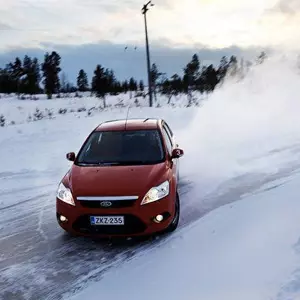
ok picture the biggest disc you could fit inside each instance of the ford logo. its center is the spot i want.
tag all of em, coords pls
(105, 203)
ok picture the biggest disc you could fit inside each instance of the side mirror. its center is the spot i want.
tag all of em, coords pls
(70, 156)
(176, 153)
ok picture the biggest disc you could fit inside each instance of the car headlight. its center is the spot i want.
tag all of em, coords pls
(156, 193)
(64, 194)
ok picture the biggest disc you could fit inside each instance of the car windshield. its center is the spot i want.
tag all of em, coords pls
(122, 148)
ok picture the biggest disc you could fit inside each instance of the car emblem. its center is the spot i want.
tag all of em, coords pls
(105, 203)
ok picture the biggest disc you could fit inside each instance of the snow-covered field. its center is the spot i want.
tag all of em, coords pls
(239, 229)
(17, 111)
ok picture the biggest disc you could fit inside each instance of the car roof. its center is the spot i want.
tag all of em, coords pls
(129, 124)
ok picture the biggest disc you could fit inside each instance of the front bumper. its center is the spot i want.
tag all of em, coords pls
(139, 219)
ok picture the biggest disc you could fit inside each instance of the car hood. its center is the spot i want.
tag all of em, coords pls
(115, 180)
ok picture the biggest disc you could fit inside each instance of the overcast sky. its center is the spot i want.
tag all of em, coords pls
(89, 31)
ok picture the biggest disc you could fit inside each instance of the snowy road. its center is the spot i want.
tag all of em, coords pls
(39, 261)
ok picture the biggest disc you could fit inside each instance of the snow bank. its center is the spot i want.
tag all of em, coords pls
(240, 251)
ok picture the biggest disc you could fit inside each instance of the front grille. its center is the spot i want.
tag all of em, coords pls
(133, 225)
(114, 204)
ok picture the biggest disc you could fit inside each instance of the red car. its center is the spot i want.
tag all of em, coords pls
(123, 182)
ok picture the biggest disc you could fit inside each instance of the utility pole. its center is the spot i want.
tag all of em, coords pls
(144, 12)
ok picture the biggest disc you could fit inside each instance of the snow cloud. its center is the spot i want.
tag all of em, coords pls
(247, 127)
(214, 23)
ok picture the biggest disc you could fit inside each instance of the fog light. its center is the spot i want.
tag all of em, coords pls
(158, 218)
(63, 219)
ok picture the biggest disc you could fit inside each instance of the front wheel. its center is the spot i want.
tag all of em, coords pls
(174, 224)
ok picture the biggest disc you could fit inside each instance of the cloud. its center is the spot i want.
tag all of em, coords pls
(290, 7)
(215, 23)
(4, 26)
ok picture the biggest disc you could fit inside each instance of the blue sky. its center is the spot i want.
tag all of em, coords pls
(96, 31)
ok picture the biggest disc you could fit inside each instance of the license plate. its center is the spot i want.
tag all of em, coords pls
(107, 220)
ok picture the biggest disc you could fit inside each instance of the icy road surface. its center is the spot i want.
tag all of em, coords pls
(39, 261)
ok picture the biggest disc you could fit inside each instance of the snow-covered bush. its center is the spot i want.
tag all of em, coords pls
(38, 115)
(136, 102)
(77, 95)
(49, 113)
(62, 111)
(2, 121)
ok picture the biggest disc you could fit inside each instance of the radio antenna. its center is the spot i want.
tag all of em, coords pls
(127, 116)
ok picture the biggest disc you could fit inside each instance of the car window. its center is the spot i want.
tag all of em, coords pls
(170, 132)
(168, 141)
(130, 147)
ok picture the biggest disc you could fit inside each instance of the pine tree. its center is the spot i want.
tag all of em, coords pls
(191, 73)
(6, 83)
(51, 70)
(110, 81)
(99, 82)
(31, 76)
(223, 68)
(166, 89)
(154, 77)
(35, 76)
(176, 84)
(233, 66)
(82, 81)
(261, 58)
(141, 86)
(125, 87)
(210, 77)
(132, 86)
(15, 72)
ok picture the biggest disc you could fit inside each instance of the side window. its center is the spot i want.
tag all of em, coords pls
(168, 129)
(168, 141)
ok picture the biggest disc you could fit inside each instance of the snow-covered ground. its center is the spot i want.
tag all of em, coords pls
(239, 228)
(17, 111)
(248, 250)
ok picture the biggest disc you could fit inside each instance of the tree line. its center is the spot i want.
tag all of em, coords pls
(29, 76)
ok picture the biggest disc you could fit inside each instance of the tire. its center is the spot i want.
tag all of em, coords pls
(174, 224)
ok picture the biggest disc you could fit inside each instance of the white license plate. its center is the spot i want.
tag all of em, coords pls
(107, 220)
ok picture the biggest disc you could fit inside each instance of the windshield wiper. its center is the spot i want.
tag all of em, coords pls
(108, 163)
(98, 163)
(117, 163)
